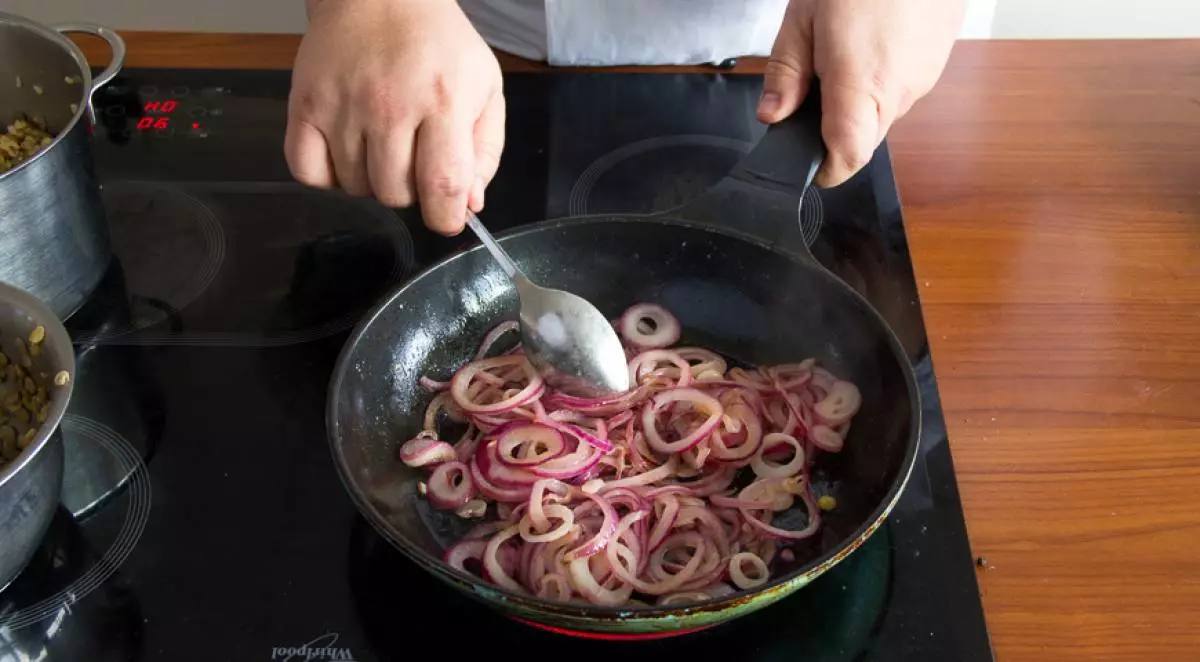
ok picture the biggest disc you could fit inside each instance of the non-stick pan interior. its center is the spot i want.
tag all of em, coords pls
(740, 298)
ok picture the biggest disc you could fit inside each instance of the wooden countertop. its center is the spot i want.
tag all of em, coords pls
(1052, 193)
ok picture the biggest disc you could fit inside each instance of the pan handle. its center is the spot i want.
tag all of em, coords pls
(761, 196)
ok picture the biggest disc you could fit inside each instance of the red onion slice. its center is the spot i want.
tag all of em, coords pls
(825, 438)
(461, 382)
(839, 404)
(422, 451)
(529, 444)
(700, 401)
(814, 521)
(737, 570)
(495, 334)
(764, 469)
(432, 385)
(458, 554)
(495, 492)
(450, 485)
(648, 326)
(493, 565)
(751, 435)
(645, 364)
(562, 513)
(607, 528)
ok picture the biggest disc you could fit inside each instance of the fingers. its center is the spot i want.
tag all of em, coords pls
(489, 143)
(851, 127)
(348, 148)
(789, 69)
(445, 171)
(307, 155)
(389, 167)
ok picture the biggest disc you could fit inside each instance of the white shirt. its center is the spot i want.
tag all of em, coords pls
(611, 32)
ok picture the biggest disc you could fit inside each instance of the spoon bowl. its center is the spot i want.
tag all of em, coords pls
(570, 343)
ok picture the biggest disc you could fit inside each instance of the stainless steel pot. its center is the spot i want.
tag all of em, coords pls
(30, 483)
(53, 236)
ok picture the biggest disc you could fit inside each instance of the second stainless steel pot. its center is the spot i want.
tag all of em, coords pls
(30, 479)
(53, 236)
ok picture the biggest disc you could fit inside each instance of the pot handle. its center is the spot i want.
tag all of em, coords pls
(761, 196)
(115, 43)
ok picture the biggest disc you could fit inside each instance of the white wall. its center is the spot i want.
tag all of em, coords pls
(1064, 19)
(995, 18)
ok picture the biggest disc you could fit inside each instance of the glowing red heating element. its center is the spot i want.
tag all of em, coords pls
(609, 636)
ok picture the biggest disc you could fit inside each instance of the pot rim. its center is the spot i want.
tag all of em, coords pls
(85, 73)
(60, 396)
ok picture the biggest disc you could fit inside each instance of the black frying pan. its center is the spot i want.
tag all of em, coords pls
(734, 268)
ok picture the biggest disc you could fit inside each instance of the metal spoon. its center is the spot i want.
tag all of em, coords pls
(570, 343)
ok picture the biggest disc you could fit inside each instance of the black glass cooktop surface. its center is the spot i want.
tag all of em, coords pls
(202, 518)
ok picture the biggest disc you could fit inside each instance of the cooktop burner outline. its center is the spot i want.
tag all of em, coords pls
(137, 513)
(810, 214)
(190, 211)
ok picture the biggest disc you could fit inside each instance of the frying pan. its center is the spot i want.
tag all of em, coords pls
(734, 268)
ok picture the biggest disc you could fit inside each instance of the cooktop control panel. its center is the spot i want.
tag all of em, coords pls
(184, 124)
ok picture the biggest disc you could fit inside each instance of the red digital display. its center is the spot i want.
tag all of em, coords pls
(161, 106)
(157, 114)
(153, 123)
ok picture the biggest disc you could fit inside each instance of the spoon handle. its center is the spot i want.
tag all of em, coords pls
(493, 246)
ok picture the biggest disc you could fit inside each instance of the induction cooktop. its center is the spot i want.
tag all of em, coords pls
(202, 518)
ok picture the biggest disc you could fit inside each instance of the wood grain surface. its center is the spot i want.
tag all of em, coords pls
(1052, 195)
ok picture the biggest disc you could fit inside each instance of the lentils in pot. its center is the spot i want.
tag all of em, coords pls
(23, 138)
(24, 393)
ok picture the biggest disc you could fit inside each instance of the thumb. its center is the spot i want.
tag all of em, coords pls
(790, 67)
(489, 143)
(850, 125)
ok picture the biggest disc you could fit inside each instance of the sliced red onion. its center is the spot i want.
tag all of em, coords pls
(441, 401)
(495, 334)
(648, 326)
(751, 435)
(432, 385)
(553, 586)
(607, 528)
(703, 361)
(422, 451)
(581, 575)
(839, 404)
(825, 438)
(493, 565)
(579, 433)
(495, 492)
(664, 521)
(562, 470)
(450, 485)
(652, 476)
(737, 570)
(764, 469)
(497, 473)
(814, 521)
(527, 444)
(753, 381)
(646, 363)
(735, 502)
(537, 495)
(700, 401)
(458, 554)
(792, 376)
(463, 378)
(562, 513)
(573, 465)
(622, 559)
